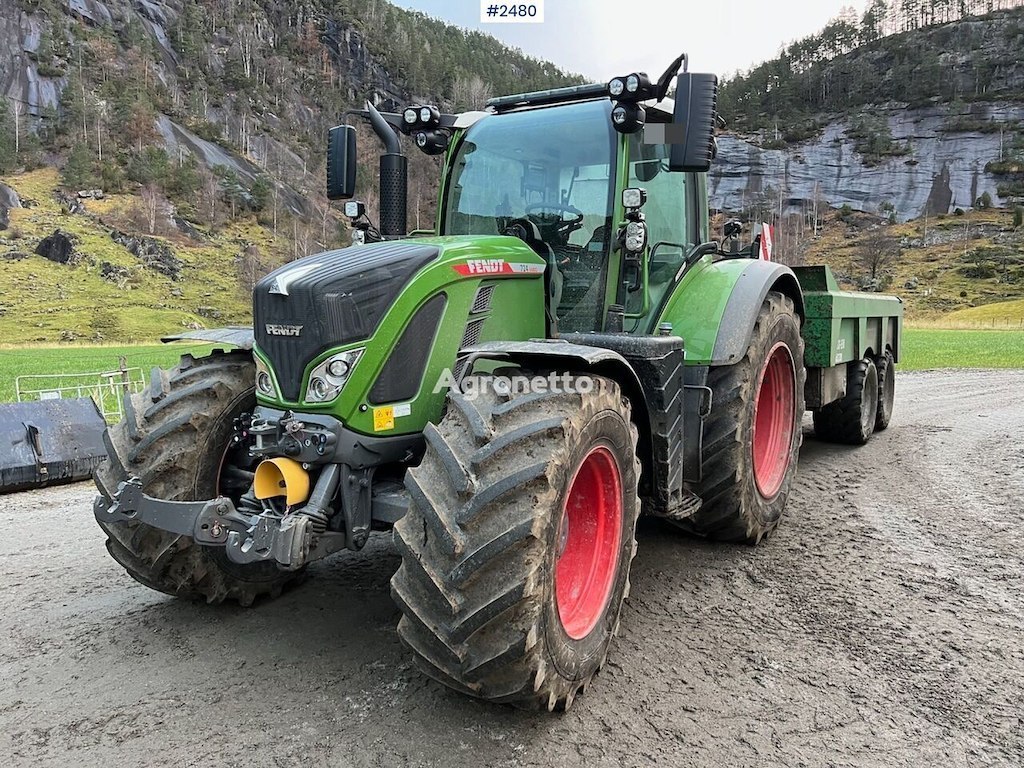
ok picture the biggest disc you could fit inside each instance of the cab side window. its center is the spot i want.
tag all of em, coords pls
(666, 212)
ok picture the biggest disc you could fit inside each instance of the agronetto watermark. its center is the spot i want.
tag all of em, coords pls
(474, 385)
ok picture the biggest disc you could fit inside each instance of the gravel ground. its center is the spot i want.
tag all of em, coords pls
(882, 625)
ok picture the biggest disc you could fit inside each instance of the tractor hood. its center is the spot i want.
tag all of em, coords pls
(329, 300)
(411, 299)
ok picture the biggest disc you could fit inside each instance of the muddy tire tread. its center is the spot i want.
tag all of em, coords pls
(156, 442)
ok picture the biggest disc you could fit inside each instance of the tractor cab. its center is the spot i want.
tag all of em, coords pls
(548, 177)
(551, 169)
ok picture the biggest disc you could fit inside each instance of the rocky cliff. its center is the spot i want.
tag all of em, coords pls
(925, 120)
(247, 143)
(942, 170)
(242, 88)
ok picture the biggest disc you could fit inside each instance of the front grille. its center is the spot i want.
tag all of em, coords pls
(332, 299)
(401, 375)
(472, 335)
(482, 302)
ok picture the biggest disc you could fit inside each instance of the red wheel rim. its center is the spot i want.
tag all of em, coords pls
(774, 404)
(589, 537)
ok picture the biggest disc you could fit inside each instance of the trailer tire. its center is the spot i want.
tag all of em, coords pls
(886, 366)
(851, 419)
(175, 436)
(499, 598)
(743, 498)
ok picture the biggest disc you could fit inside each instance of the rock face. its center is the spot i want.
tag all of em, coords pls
(22, 81)
(58, 247)
(943, 170)
(8, 199)
(177, 137)
(153, 254)
(19, 75)
(347, 48)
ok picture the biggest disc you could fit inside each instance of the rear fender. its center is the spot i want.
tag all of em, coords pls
(715, 306)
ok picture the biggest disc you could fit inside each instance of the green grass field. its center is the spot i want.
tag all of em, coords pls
(923, 348)
(20, 361)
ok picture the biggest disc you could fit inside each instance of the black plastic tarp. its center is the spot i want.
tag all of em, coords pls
(48, 442)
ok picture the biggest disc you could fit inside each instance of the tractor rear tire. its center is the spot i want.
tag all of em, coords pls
(175, 437)
(886, 366)
(851, 420)
(752, 437)
(517, 545)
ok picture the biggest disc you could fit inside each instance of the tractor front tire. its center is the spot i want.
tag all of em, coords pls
(517, 545)
(176, 438)
(851, 420)
(752, 437)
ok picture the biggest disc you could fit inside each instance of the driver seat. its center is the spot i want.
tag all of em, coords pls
(529, 233)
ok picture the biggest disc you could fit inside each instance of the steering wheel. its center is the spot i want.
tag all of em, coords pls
(561, 226)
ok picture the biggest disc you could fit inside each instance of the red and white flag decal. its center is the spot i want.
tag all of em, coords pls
(497, 267)
(767, 241)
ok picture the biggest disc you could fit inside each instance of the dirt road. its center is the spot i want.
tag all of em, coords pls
(882, 625)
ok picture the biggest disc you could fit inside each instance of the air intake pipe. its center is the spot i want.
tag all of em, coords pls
(393, 178)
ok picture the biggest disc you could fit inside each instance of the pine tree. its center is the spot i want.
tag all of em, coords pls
(79, 171)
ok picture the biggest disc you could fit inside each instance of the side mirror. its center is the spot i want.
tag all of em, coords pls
(646, 170)
(692, 133)
(341, 162)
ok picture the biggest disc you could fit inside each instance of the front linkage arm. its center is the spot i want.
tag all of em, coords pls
(290, 541)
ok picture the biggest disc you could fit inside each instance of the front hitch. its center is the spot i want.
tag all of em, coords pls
(289, 541)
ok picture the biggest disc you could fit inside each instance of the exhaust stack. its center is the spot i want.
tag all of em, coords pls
(393, 178)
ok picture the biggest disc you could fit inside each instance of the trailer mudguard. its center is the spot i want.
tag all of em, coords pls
(715, 305)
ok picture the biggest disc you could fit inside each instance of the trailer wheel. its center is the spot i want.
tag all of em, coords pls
(518, 541)
(886, 366)
(176, 437)
(752, 437)
(851, 420)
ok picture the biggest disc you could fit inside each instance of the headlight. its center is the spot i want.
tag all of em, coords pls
(318, 389)
(634, 197)
(327, 379)
(632, 83)
(636, 237)
(264, 379)
(628, 117)
(409, 115)
(425, 114)
(615, 87)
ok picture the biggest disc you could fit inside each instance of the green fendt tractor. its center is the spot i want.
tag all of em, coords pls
(508, 392)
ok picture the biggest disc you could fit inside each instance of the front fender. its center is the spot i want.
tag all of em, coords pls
(716, 304)
(233, 335)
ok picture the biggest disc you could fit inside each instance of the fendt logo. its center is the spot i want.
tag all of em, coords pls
(485, 266)
(497, 267)
(283, 330)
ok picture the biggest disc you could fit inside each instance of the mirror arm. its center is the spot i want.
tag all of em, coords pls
(661, 91)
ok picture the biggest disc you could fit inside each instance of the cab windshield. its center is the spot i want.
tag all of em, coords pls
(546, 176)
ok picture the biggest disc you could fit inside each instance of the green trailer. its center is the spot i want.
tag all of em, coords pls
(567, 347)
(852, 342)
